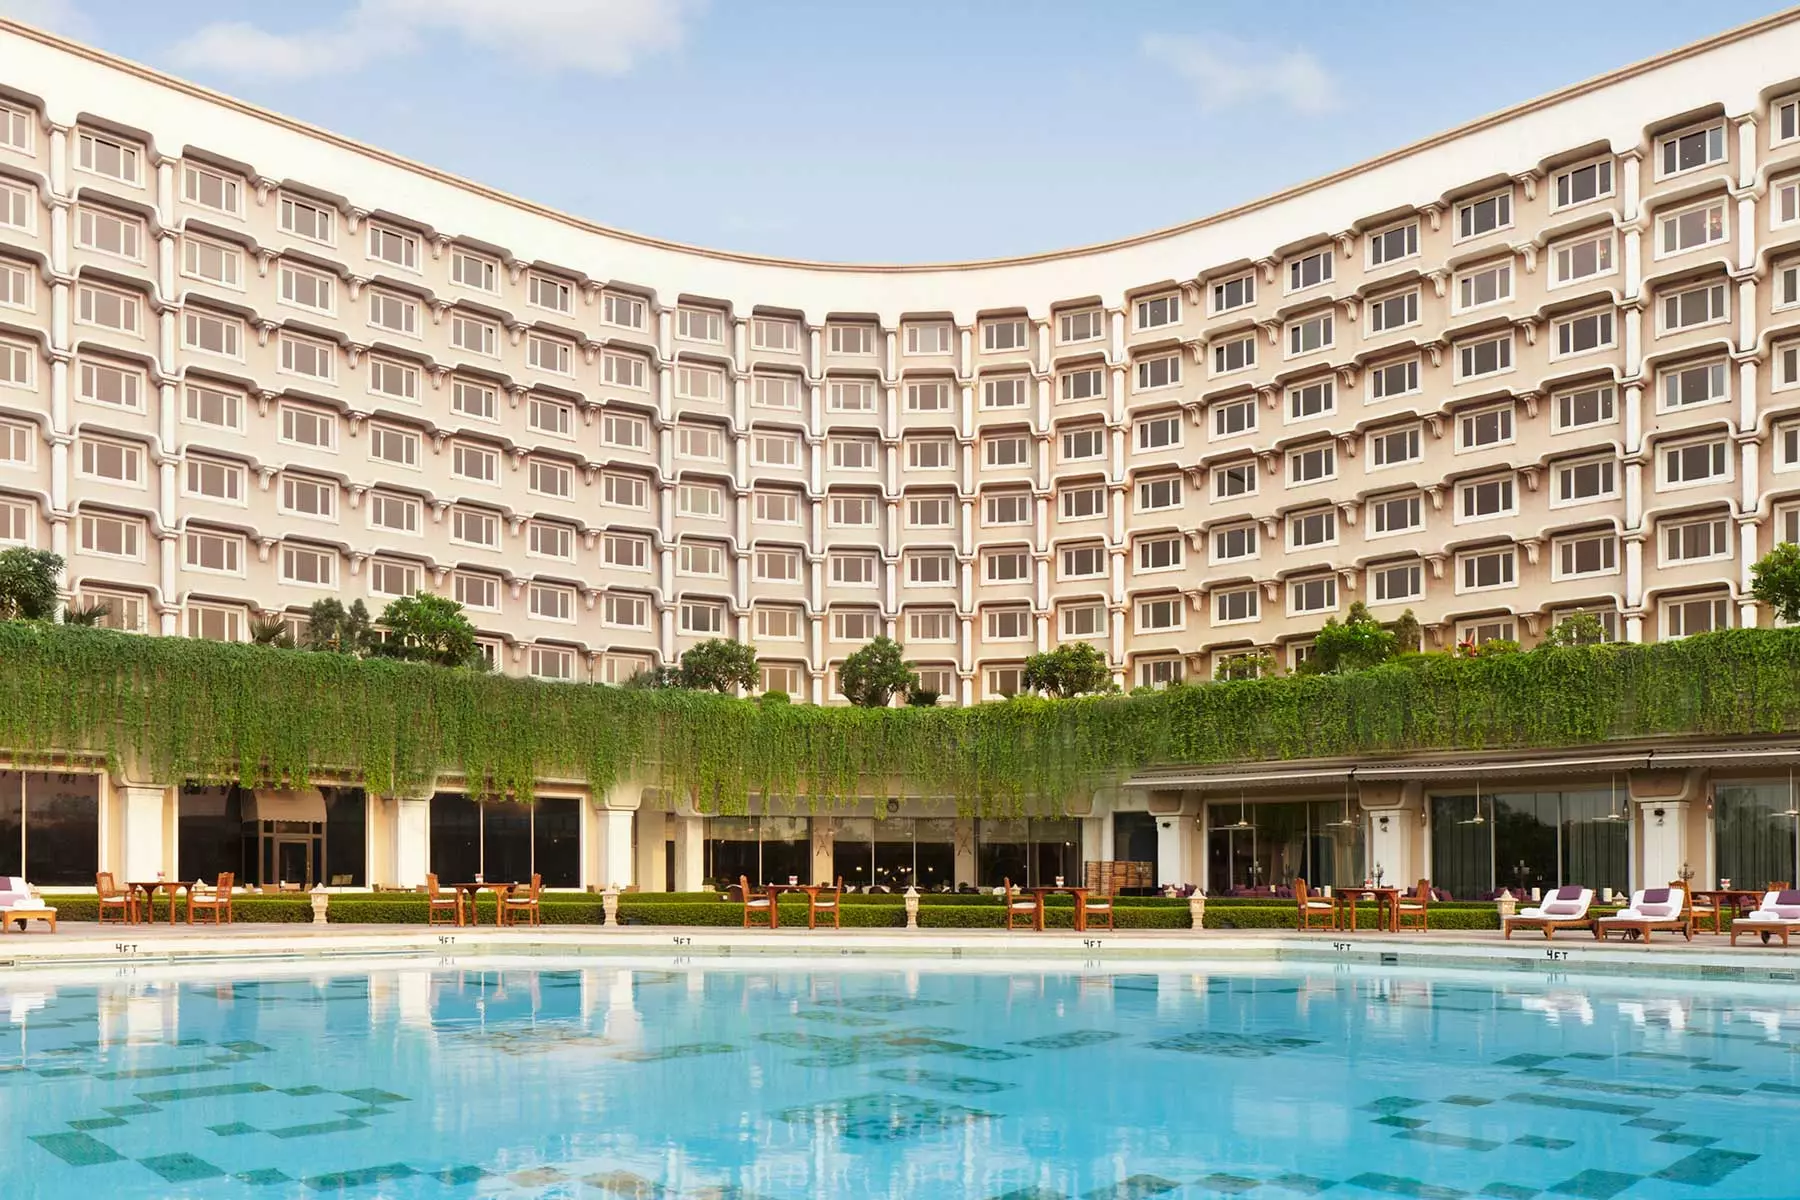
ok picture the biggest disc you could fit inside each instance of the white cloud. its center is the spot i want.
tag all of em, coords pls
(602, 37)
(1225, 71)
(58, 16)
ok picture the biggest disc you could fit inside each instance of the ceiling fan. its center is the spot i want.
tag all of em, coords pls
(1477, 819)
(1613, 811)
(1793, 809)
(1346, 821)
(1243, 820)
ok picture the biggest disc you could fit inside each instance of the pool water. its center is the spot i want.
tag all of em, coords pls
(515, 1079)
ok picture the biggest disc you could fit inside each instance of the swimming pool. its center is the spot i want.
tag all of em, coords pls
(743, 1082)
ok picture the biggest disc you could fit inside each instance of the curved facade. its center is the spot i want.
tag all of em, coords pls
(1534, 366)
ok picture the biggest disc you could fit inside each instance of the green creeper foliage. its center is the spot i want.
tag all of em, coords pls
(870, 677)
(1774, 580)
(719, 665)
(1066, 671)
(28, 584)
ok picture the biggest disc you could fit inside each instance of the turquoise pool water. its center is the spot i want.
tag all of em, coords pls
(747, 1083)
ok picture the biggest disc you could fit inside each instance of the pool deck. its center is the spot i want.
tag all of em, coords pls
(86, 945)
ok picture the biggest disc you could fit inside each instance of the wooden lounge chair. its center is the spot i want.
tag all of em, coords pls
(1778, 915)
(116, 899)
(527, 906)
(1312, 907)
(1650, 908)
(449, 904)
(19, 905)
(1099, 906)
(1017, 906)
(825, 901)
(1565, 908)
(217, 898)
(1414, 910)
(756, 904)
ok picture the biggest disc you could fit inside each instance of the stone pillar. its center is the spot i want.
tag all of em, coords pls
(1661, 800)
(143, 849)
(411, 839)
(690, 851)
(615, 847)
(967, 867)
(652, 840)
(1171, 849)
(1096, 841)
(824, 839)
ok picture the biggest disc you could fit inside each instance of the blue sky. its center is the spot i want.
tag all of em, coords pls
(884, 130)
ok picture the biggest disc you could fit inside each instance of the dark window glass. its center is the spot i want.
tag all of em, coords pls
(210, 835)
(346, 837)
(556, 842)
(506, 842)
(455, 838)
(12, 824)
(1756, 841)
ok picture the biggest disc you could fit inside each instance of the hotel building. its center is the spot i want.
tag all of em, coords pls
(1542, 364)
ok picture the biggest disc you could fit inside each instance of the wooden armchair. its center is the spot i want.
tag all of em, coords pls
(756, 904)
(1414, 909)
(116, 899)
(1099, 906)
(527, 906)
(1017, 906)
(823, 901)
(1315, 911)
(438, 901)
(217, 898)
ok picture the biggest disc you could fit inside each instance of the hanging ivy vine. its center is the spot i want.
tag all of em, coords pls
(174, 708)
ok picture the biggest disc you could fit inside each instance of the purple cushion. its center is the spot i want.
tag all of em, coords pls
(1791, 896)
(1572, 892)
(1656, 896)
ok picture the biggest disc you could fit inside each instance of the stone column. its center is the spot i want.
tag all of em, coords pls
(1171, 849)
(690, 851)
(967, 866)
(143, 849)
(824, 840)
(615, 847)
(652, 838)
(411, 840)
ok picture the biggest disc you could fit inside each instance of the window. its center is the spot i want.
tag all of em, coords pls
(1584, 259)
(1234, 293)
(1585, 333)
(782, 624)
(1396, 514)
(215, 407)
(1692, 150)
(116, 387)
(625, 611)
(701, 558)
(15, 128)
(550, 416)
(1394, 446)
(1159, 553)
(1588, 554)
(1486, 498)
(1163, 371)
(1589, 406)
(1310, 271)
(1313, 333)
(108, 233)
(617, 308)
(15, 364)
(1696, 541)
(476, 400)
(929, 454)
(473, 527)
(542, 291)
(1162, 613)
(928, 569)
(215, 624)
(480, 592)
(474, 335)
(769, 333)
(777, 508)
(305, 289)
(1234, 479)
(1004, 393)
(856, 570)
(1159, 672)
(397, 514)
(1488, 569)
(211, 261)
(1312, 464)
(303, 356)
(775, 450)
(1691, 228)
(1484, 285)
(124, 610)
(305, 220)
(699, 441)
(699, 383)
(1313, 595)
(1784, 198)
(1578, 185)
(1484, 216)
(17, 206)
(16, 440)
(928, 512)
(854, 454)
(389, 578)
(1003, 335)
(1694, 306)
(108, 309)
(469, 461)
(550, 602)
(308, 427)
(850, 395)
(1156, 494)
(776, 566)
(547, 477)
(214, 480)
(474, 271)
(1234, 543)
(1006, 508)
(1088, 383)
(1083, 620)
(852, 339)
(1158, 433)
(114, 462)
(623, 370)
(395, 313)
(1489, 356)
(1695, 614)
(1312, 400)
(1083, 562)
(853, 512)
(1478, 633)
(221, 553)
(1007, 451)
(1237, 605)
(855, 625)
(1393, 584)
(1394, 379)
(1394, 312)
(1696, 462)
(1088, 325)
(308, 497)
(1159, 311)
(1085, 443)
(1008, 624)
(1578, 482)
(546, 539)
(699, 325)
(625, 551)
(392, 246)
(549, 354)
(624, 430)
(929, 396)
(929, 339)
(775, 391)
(112, 537)
(1392, 245)
(702, 500)
(1317, 528)
(1007, 566)
(1683, 387)
(212, 335)
(1234, 354)
(107, 156)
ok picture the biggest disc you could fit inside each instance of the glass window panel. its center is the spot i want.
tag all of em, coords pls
(210, 836)
(1756, 844)
(455, 838)
(556, 842)
(346, 837)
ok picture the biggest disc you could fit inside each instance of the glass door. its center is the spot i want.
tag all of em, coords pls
(294, 860)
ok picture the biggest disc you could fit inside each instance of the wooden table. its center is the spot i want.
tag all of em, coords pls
(1386, 898)
(1080, 894)
(150, 889)
(472, 890)
(1739, 900)
(774, 891)
(22, 915)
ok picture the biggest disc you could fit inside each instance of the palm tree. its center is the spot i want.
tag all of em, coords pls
(271, 631)
(91, 615)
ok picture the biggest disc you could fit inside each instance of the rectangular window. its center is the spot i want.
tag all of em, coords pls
(624, 430)
(112, 537)
(1159, 672)
(621, 310)
(1083, 562)
(215, 624)
(1592, 554)
(1156, 494)
(1394, 379)
(1697, 614)
(473, 527)
(1003, 335)
(553, 417)
(850, 395)
(479, 592)
(1006, 508)
(394, 313)
(1396, 514)
(625, 551)
(699, 441)
(1082, 503)
(777, 508)
(853, 454)
(1394, 446)
(303, 356)
(1696, 541)
(1234, 354)
(476, 400)
(301, 288)
(1159, 553)
(398, 514)
(17, 206)
(107, 156)
(769, 333)
(1583, 334)
(1234, 479)
(549, 354)
(114, 462)
(305, 220)
(1484, 285)
(1083, 620)
(932, 625)
(1159, 614)
(855, 570)
(546, 539)
(1696, 462)
(1007, 451)
(1008, 624)
(1489, 569)
(1312, 400)
(1310, 271)
(1394, 312)
(700, 325)
(107, 309)
(1691, 228)
(401, 447)
(212, 335)
(781, 624)
(929, 454)
(549, 602)
(1578, 185)
(775, 391)
(16, 440)
(1584, 259)
(15, 364)
(855, 625)
(1487, 498)
(853, 512)
(1163, 371)
(1694, 306)
(15, 128)
(394, 247)
(1159, 311)
(474, 335)
(1234, 293)
(1683, 387)
(108, 233)
(1088, 325)
(699, 383)
(474, 271)
(623, 370)
(549, 478)
(775, 450)
(214, 480)
(1392, 585)
(115, 387)
(1583, 481)
(776, 566)
(477, 463)
(1079, 445)
(928, 512)
(1312, 334)
(1004, 393)
(1235, 542)
(1318, 528)
(1590, 406)
(216, 552)
(308, 427)
(929, 339)
(212, 261)
(1489, 356)
(1312, 464)
(307, 497)
(625, 611)
(1086, 384)
(543, 291)
(1392, 245)
(1692, 150)
(1483, 216)
(928, 396)
(852, 339)
(215, 407)
(1158, 433)
(1008, 566)
(388, 578)
(1313, 595)
(309, 567)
